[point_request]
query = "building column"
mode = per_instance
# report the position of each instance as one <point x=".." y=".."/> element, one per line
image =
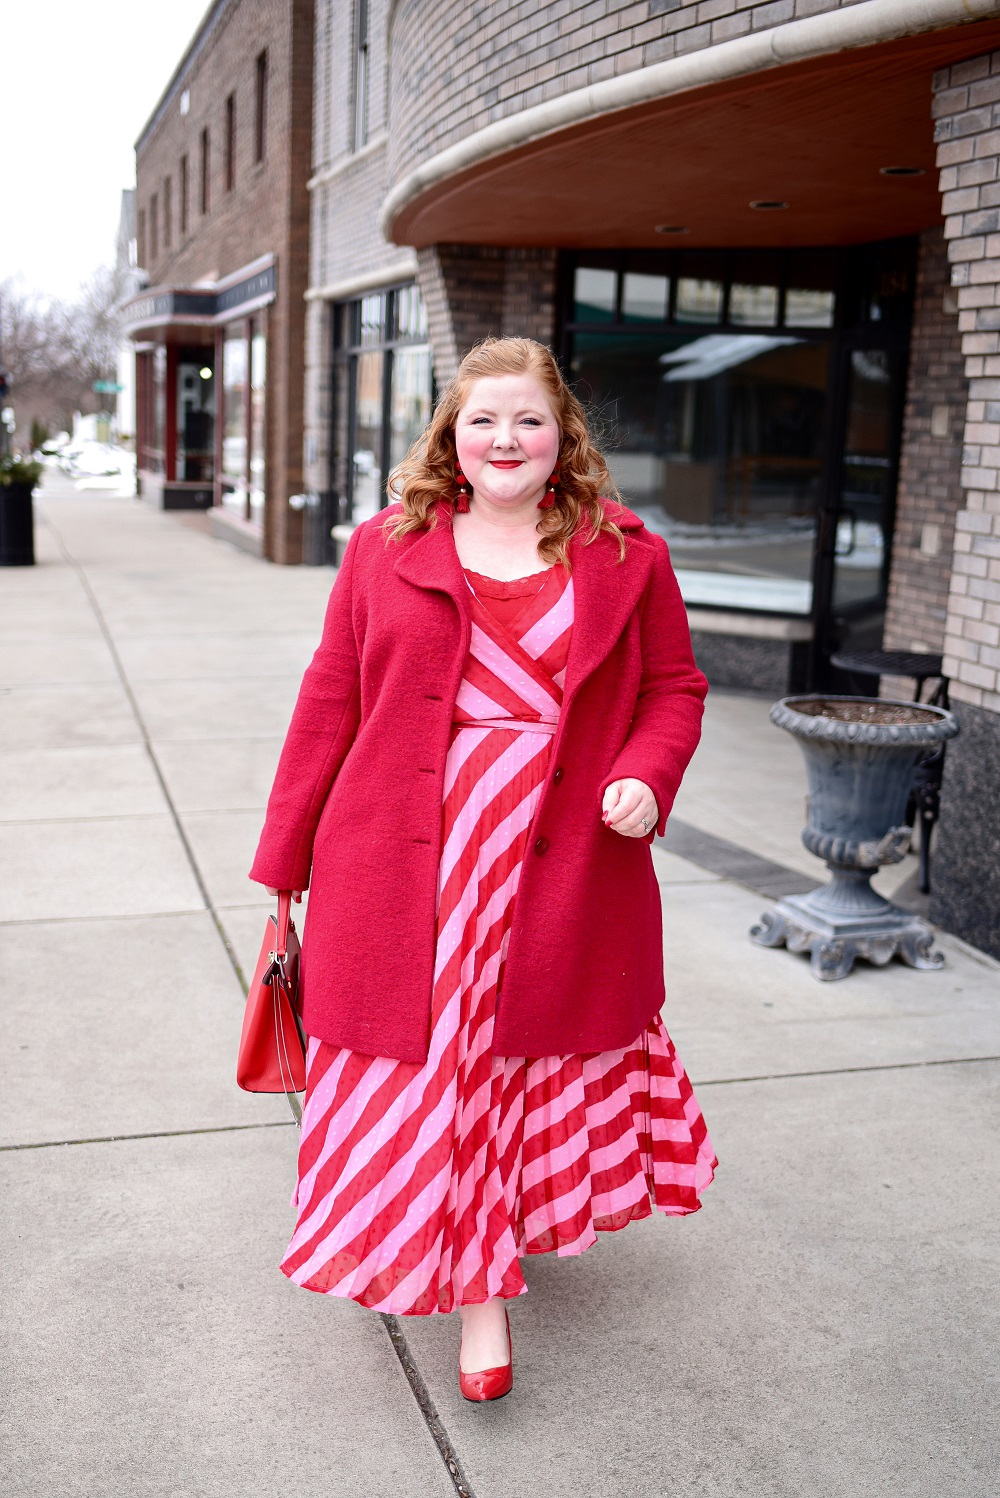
<point x="929" y="493"/>
<point x="967" y="873"/>
<point x="481" y="291"/>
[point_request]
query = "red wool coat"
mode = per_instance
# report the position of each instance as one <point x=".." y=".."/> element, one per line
<point x="357" y="799"/>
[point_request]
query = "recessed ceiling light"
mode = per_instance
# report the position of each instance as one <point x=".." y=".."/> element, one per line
<point x="768" y="203"/>
<point x="901" y="171"/>
<point x="672" y="229"/>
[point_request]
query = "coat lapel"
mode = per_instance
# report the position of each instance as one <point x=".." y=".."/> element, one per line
<point x="605" y="592"/>
<point x="429" y="560"/>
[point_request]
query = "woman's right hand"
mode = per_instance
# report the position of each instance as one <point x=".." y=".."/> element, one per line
<point x="296" y="893"/>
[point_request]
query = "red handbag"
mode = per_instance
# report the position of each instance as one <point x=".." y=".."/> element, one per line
<point x="272" y="1055"/>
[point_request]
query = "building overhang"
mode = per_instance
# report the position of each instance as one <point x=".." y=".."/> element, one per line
<point x="809" y="114"/>
<point x="170" y="314"/>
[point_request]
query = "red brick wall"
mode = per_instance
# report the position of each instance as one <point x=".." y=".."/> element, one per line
<point x="267" y="210"/>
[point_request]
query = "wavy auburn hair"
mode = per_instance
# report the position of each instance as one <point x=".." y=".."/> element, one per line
<point x="427" y="473"/>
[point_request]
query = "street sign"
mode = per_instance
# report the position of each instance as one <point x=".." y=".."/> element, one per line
<point x="107" y="387"/>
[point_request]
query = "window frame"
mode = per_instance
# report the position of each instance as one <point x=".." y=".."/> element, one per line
<point x="362" y="61"/>
<point x="205" y="149"/>
<point x="348" y="344"/>
<point x="230" y="141"/>
<point x="260" y="115"/>
<point x="182" y="194"/>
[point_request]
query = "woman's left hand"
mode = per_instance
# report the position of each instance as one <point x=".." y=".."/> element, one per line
<point x="627" y="805"/>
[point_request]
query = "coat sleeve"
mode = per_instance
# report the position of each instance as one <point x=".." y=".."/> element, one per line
<point x="666" y="723"/>
<point x="324" y="725"/>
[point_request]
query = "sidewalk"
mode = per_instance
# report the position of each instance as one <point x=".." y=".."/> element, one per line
<point x="826" y="1327"/>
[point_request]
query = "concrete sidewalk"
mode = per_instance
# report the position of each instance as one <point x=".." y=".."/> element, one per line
<point x="826" y="1326"/>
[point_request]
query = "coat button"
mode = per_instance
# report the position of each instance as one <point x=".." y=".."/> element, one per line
<point x="558" y="776"/>
<point x="542" y="846"/>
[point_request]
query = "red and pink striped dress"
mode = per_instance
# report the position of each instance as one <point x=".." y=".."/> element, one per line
<point x="420" y="1187"/>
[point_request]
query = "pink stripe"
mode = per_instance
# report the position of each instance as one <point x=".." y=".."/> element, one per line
<point x="511" y="674"/>
<point x="556" y="622"/>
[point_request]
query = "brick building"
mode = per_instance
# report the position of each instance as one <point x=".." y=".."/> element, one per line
<point x="222" y="232"/>
<point x="725" y="217"/>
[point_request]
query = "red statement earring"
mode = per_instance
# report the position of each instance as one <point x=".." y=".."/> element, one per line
<point x="550" y="494"/>
<point x="462" y="497"/>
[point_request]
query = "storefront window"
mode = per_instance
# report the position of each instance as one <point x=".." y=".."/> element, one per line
<point x="366" y="489"/>
<point x="234" y="418"/>
<point x="717" y="445"/>
<point x="644" y="298"/>
<point x="258" y="390"/>
<point x="743" y="394"/>
<point x="714" y="409"/>
<point x="699" y="301"/>
<point x="383" y="390"/>
<point x="196" y="415"/>
<point x="859" y="554"/>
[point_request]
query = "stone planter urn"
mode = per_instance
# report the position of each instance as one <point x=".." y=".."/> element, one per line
<point x="860" y="753"/>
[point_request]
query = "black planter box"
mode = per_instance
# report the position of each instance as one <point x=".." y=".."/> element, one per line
<point x="17" y="526"/>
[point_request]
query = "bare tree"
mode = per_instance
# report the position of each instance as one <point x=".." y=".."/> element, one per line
<point x="55" y="350"/>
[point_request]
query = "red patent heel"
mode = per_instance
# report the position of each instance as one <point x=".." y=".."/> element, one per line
<point x="492" y="1383"/>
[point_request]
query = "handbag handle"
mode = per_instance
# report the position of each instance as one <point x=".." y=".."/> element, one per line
<point x="284" y="917"/>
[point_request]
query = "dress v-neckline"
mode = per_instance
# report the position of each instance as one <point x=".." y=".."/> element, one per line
<point x="526" y="588"/>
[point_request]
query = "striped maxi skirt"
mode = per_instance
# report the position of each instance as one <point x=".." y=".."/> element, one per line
<point x="421" y="1186"/>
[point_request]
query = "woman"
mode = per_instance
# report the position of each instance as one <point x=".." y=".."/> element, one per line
<point x="491" y="733"/>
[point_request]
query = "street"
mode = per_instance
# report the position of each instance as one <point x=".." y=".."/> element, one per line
<point x="824" y="1328"/>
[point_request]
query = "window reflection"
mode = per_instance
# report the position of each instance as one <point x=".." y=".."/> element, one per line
<point x="867" y="476"/>
<point x="698" y="301"/>
<point x="644" y="298"/>
<point x="594" y="293"/>
<point x="367" y="456"/>
<point x="234" y="418"/>
<point x="756" y="306"/>
<point x="808" y="309"/>
<point x="258" y="389"/>
<point x="411" y="400"/>
<point x="719" y="445"/>
<point x="383" y="383"/>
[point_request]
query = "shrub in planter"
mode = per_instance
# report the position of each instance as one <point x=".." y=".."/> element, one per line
<point x="18" y="478"/>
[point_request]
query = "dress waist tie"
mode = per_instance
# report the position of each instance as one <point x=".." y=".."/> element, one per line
<point x="517" y="725"/>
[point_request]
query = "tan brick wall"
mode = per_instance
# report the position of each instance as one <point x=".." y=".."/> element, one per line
<point x="930" y="490"/>
<point x="967" y="129"/>
<point x="267" y="210"/>
<point x="455" y="67"/>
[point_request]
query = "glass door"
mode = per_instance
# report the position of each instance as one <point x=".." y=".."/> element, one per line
<point x="196" y="415"/>
<point x="856" y="525"/>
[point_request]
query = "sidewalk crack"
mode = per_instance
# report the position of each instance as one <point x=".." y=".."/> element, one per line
<point x="425" y="1404"/>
